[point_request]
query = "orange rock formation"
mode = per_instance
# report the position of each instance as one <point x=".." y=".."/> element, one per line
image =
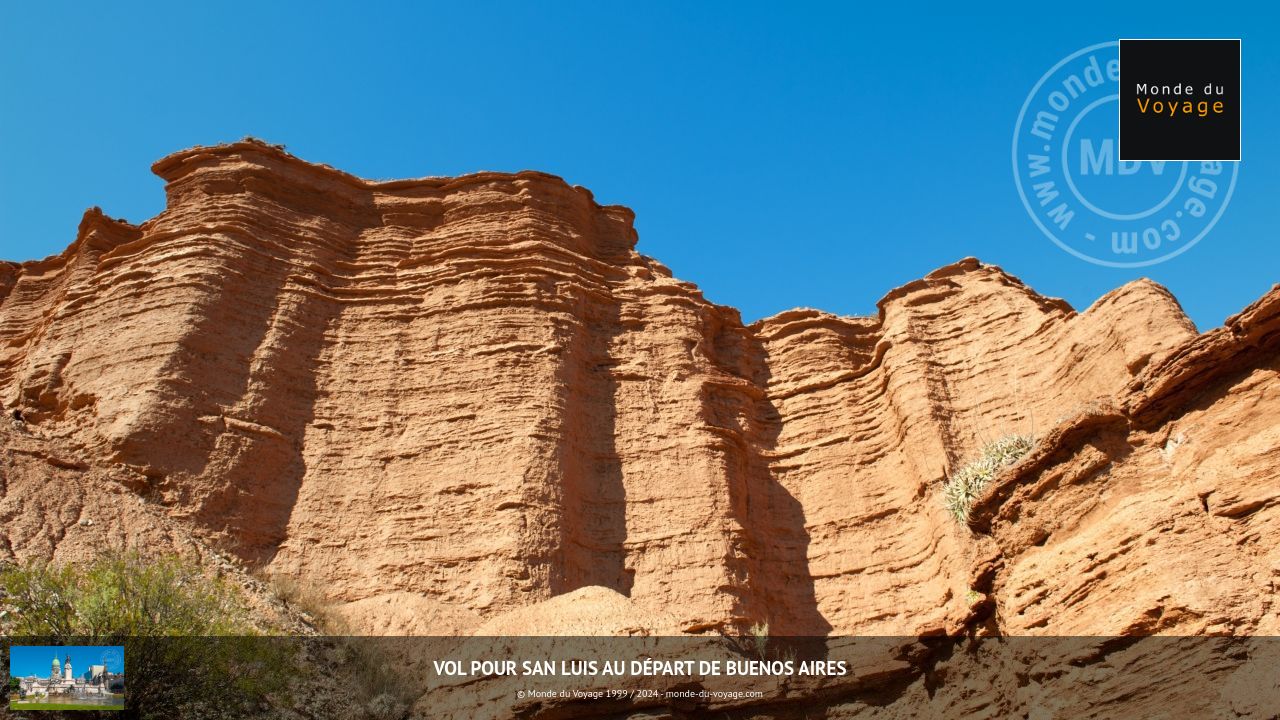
<point x="449" y="402"/>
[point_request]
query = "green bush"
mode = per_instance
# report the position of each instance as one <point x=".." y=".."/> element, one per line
<point x="120" y="594"/>
<point x="968" y="482"/>
<point x="190" y="650"/>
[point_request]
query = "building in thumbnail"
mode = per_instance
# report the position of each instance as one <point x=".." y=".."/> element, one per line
<point x="62" y="681"/>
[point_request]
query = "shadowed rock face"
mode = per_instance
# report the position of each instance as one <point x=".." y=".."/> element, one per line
<point x="463" y="397"/>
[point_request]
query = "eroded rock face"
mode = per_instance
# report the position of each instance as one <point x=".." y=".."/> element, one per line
<point x="473" y="395"/>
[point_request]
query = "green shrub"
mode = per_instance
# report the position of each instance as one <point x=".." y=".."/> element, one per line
<point x="968" y="482"/>
<point x="121" y="594"/>
<point x="190" y="650"/>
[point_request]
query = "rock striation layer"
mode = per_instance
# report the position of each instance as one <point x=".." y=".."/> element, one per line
<point x="452" y="402"/>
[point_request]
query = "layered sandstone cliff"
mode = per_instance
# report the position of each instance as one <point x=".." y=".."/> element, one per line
<point x="468" y="404"/>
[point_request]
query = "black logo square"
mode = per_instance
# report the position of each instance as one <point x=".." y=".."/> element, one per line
<point x="1179" y="99"/>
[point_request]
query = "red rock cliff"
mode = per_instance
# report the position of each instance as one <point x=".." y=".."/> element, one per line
<point x="450" y="401"/>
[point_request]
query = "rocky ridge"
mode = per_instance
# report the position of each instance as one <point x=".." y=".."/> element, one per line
<point x="453" y="402"/>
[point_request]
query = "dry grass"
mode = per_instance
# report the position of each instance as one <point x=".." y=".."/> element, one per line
<point x="303" y="598"/>
<point x="968" y="482"/>
<point x="760" y="638"/>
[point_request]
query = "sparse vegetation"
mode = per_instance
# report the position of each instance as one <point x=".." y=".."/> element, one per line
<point x="386" y="706"/>
<point x="190" y="649"/>
<point x="968" y="482"/>
<point x="374" y="676"/>
<point x="120" y="594"/>
<point x="1171" y="446"/>
<point x="760" y="637"/>
<point x="302" y="597"/>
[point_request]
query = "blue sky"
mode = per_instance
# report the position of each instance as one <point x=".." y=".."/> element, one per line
<point x="27" y="660"/>
<point x="778" y="155"/>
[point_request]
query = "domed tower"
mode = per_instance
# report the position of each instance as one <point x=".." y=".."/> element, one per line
<point x="57" y="669"/>
<point x="66" y="669"/>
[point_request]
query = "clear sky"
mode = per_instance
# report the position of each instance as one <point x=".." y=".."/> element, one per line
<point x="27" y="660"/>
<point x="778" y="155"/>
